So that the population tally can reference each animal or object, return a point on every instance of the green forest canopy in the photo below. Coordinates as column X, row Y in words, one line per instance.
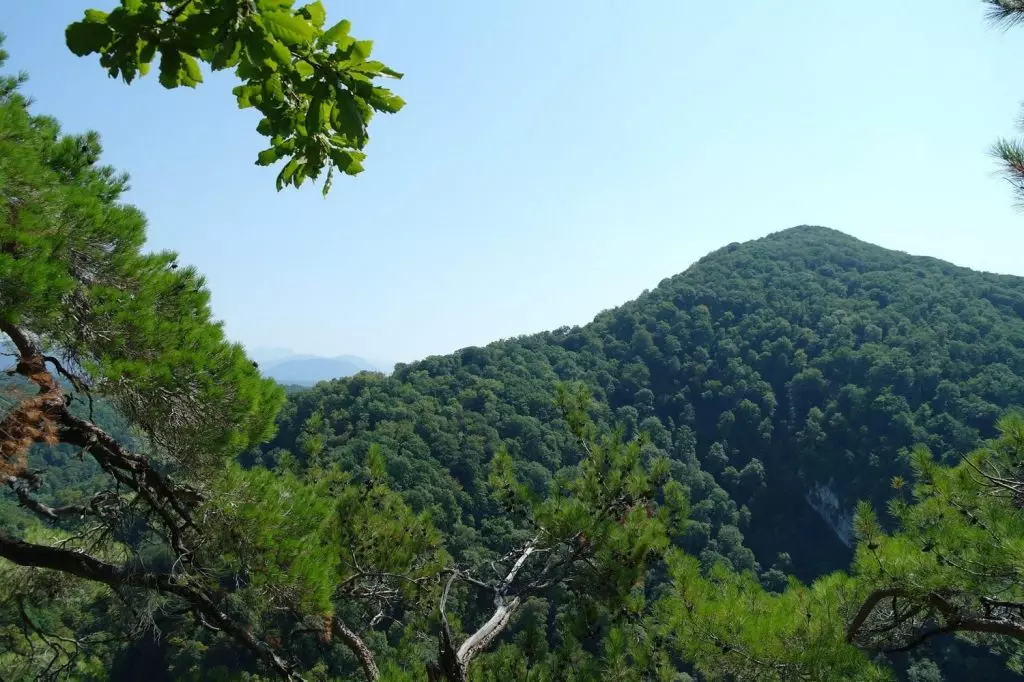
column 796, row 460
column 802, row 367
column 797, row 370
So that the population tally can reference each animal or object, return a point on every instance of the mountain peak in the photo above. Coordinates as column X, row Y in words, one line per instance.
column 288, row 367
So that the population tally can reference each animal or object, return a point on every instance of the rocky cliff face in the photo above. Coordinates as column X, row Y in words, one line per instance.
column 824, row 501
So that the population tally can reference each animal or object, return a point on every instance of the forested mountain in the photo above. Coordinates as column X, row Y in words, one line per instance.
column 288, row 368
column 782, row 380
column 803, row 364
column 786, row 378
column 800, row 459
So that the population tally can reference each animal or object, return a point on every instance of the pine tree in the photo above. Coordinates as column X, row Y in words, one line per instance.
column 592, row 540
column 953, row 566
column 730, row 628
column 1009, row 152
column 91, row 317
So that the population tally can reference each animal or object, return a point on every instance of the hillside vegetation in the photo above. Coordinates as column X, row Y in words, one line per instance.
column 785, row 379
column 804, row 364
column 800, row 459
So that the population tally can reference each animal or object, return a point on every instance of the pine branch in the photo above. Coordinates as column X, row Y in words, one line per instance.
column 87, row 567
column 172, row 503
column 358, row 647
column 26, row 500
column 1007, row 13
column 953, row 620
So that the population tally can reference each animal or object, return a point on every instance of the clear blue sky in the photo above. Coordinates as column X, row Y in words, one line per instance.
column 556, row 158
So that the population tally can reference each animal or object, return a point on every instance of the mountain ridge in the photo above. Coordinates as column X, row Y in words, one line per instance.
column 797, row 236
column 299, row 369
column 815, row 355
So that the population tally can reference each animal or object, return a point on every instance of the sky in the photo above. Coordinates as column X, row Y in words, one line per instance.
column 557, row 158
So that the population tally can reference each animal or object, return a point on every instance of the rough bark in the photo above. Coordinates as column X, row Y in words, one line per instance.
column 865, row 610
column 358, row 647
column 46, row 418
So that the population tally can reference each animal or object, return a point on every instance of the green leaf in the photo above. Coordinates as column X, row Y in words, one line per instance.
column 122, row 19
column 348, row 162
column 385, row 100
column 245, row 93
column 291, row 29
column 315, row 12
column 305, row 69
column 86, row 37
column 246, row 70
column 227, row 55
column 272, row 89
column 267, row 157
column 257, row 52
column 314, row 115
column 170, row 67
column 280, row 51
column 363, row 48
column 375, row 68
column 299, row 176
column 347, row 118
column 96, row 16
column 193, row 75
column 147, row 52
column 286, row 174
column 337, row 32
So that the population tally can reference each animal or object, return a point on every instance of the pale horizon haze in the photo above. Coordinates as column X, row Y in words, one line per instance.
column 557, row 158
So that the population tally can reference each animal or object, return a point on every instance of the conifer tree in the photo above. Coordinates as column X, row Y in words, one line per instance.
column 593, row 537
column 953, row 566
column 88, row 316
column 730, row 628
column 592, row 540
column 1009, row 152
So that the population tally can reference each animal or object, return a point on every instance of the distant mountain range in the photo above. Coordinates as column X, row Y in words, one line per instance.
column 287, row 367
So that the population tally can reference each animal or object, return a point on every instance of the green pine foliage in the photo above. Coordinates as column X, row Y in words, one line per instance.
column 278, row 533
column 953, row 564
column 135, row 325
column 669, row 493
column 102, row 330
column 56, row 627
column 729, row 628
